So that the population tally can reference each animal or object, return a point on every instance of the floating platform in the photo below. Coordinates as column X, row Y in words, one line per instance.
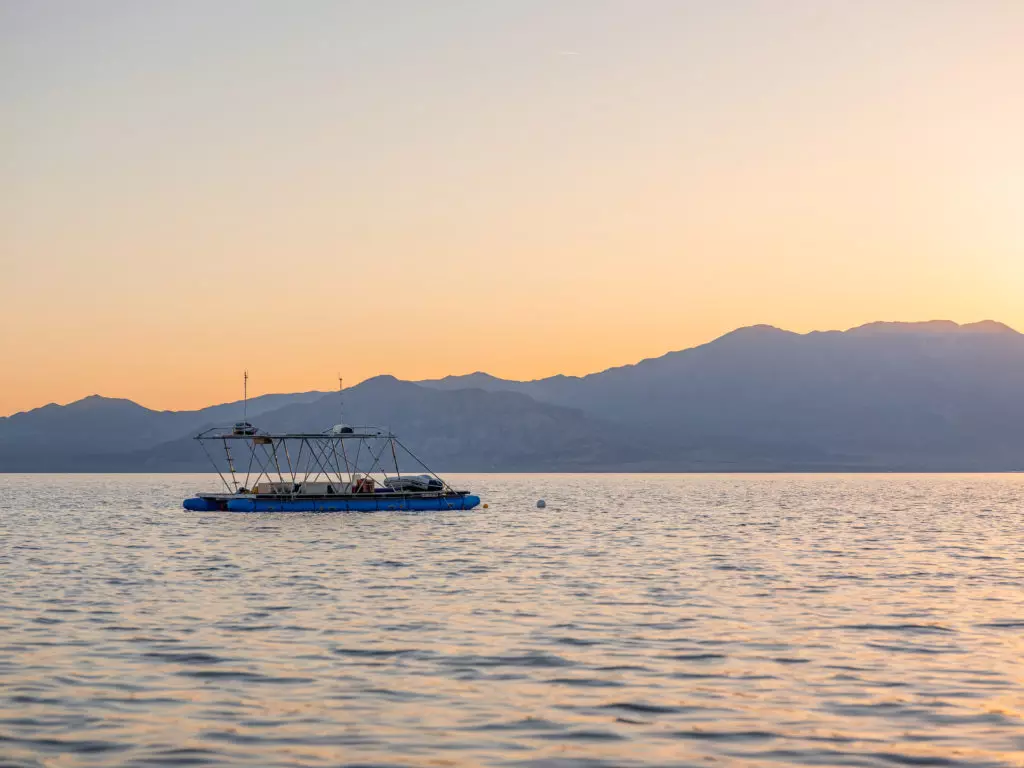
column 379, row 502
column 342, row 469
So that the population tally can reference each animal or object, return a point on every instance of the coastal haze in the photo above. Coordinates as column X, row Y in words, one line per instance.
column 932, row 396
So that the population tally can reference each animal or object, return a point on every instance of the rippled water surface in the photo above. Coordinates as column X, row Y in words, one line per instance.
column 637, row 620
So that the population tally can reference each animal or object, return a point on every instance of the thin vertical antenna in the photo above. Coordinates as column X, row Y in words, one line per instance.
column 341, row 398
column 245, row 396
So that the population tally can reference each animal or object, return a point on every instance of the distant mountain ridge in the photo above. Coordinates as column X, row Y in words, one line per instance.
column 67, row 435
column 922, row 328
column 931, row 396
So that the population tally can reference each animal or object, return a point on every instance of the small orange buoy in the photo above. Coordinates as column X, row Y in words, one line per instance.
column 485, row 506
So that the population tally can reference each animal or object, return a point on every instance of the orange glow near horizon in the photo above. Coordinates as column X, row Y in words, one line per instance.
column 513, row 187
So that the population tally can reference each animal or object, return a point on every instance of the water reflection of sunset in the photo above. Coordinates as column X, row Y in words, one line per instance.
column 638, row 619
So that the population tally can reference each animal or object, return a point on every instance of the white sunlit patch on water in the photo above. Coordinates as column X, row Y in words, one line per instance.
column 636, row 620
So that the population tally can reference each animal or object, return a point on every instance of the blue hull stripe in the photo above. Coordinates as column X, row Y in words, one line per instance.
column 199, row 504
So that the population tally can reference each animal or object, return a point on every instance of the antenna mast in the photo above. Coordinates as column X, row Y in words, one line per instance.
column 245, row 396
column 341, row 399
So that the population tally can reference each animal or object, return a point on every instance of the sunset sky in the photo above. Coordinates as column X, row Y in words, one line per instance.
column 188, row 189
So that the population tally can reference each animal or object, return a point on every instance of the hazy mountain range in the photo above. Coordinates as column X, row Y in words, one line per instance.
column 932, row 396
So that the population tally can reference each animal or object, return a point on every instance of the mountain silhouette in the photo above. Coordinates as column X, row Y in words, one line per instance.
column 933, row 396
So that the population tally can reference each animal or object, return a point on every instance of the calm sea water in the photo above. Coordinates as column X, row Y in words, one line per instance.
column 636, row 621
